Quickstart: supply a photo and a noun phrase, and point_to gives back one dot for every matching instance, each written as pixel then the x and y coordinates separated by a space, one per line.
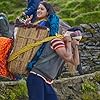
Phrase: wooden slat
pixel 25 36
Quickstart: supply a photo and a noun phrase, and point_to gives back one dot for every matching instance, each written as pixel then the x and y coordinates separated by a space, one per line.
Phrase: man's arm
pixel 64 50
pixel 75 59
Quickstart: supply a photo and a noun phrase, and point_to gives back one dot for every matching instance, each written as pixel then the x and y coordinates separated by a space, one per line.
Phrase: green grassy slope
pixel 74 12
pixel 12 8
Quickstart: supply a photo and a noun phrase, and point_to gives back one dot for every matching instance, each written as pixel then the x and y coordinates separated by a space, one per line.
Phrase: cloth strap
pixel 30 46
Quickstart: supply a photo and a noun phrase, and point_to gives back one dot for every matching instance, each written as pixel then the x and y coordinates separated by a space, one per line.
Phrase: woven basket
pixel 26 36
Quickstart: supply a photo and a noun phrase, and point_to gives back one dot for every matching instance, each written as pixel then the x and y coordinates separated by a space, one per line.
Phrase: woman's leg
pixel 35 85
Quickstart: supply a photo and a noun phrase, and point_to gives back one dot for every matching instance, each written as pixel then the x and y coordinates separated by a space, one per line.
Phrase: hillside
pixel 74 12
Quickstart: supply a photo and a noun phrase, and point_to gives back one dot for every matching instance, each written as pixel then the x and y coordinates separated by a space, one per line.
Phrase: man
pixel 54 54
pixel 53 57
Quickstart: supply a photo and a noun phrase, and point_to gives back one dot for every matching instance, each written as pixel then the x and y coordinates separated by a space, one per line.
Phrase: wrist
pixel 75 47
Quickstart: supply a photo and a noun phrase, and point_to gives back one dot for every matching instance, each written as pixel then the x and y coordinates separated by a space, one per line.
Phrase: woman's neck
pixel 41 18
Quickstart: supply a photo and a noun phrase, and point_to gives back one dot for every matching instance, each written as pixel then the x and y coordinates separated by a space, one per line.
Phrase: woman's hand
pixel 28 20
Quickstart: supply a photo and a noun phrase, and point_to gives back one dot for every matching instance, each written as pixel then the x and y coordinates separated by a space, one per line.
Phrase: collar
pixel 38 21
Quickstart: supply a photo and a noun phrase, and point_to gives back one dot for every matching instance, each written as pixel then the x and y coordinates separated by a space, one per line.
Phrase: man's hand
pixel 67 37
pixel 74 43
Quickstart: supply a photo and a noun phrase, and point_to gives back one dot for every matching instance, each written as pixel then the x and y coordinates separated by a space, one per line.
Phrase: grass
pixel 74 12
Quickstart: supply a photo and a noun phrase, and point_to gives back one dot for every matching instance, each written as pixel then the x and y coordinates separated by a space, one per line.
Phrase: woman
pixel 54 54
pixel 46 16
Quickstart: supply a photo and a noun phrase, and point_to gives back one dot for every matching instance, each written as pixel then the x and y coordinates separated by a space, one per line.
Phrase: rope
pixel 30 46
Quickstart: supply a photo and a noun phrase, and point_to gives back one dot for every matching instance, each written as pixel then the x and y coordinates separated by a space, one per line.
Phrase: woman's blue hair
pixel 53 21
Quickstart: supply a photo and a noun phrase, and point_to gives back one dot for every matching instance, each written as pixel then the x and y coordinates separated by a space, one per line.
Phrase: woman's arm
pixel 32 7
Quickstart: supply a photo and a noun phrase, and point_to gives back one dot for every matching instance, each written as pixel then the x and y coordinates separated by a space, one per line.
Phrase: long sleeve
pixel 32 7
pixel 53 21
